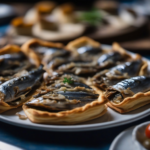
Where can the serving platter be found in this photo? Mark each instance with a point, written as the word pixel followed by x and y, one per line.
pixel 110 119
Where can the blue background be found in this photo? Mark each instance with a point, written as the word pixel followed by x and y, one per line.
pixel 45 140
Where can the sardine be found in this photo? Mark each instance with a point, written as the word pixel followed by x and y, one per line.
pixel 63 96
pixel 56 62
pixel 16 87
pixel 109 59
pixel 129 69
pixel 128 87
pixel 13 56
pixel 13 63
pixel 59 102
pixel 116 74
pixel 49 53
pixel 8 61
pixel 79 95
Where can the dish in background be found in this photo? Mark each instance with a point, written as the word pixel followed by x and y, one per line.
pixel 47 25
pixel 139 135
pixel 123 140
pixel 100 24
pixel 6 13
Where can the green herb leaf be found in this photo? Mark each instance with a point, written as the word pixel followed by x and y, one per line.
pixel 92 17
pixel 68 80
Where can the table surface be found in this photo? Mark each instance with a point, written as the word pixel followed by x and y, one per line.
pixel 45 140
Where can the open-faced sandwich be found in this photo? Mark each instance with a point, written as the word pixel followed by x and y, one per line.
pixel 64 99
pixel 18 76
pixel 129 94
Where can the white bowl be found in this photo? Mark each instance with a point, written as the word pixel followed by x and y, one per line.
pixel 138 134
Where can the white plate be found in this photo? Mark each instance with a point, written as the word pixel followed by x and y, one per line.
pixel 124 141
pixel 110 119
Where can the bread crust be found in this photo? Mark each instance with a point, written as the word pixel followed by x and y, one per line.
pixel 143 70
pixel 131 103
pixel 116 47
pixel 9 49
pixel 82 41
pixel 4 106
pixel 75 116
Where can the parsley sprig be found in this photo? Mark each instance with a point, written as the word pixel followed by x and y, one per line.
pixel 68 80
pixel 92 17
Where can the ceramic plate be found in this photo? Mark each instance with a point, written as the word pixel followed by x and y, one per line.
pixel 110 119
pixel 124 141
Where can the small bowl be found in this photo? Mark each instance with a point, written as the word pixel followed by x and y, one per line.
pixel 138 135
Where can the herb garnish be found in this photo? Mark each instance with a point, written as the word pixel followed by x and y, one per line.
pixel 68 80
pixel 93 17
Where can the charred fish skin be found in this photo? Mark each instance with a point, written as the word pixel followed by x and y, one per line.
pixel 74 100
pixel 89 50
pixel 14 88
pixel 79 95
pixel 131 68
pixel 136 84
pixel 112 56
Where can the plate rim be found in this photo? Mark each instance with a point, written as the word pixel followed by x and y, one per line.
pixel 114 142
pixel 74 128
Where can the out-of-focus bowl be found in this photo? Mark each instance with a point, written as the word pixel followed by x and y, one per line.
pixel 138 135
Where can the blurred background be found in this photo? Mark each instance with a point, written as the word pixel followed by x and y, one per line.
pixel 107 21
